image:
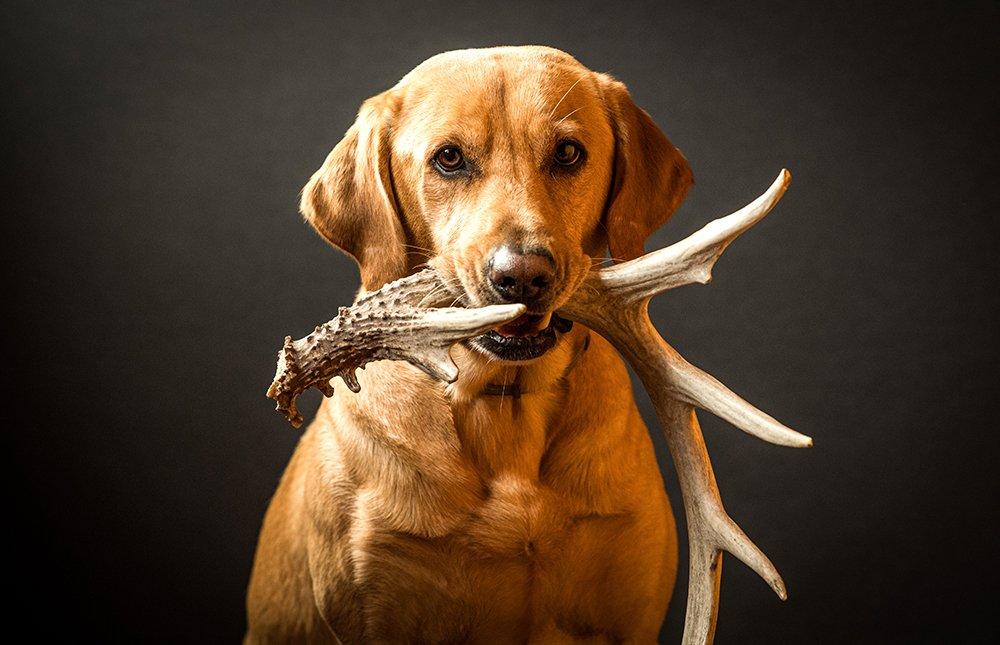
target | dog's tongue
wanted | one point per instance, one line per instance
(526, 325)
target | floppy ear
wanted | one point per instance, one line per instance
(650, 177)
(350, 200)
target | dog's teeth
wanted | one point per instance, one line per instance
(546, 319)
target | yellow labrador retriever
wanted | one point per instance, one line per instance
(523, 502)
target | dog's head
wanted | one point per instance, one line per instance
(511, 170)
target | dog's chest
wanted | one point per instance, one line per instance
(505, 440)
(521, 520)
(502, 557)
(511, 562)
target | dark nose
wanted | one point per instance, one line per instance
(520, 277)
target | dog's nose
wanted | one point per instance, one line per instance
(520, 277)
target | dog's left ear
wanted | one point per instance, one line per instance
(350, 199)
(651, 176)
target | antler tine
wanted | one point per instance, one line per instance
(615, 304)
(710, 529)
(703, 390)
(690, 260)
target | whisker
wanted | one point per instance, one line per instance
(445, 286)
(419, 248)
(572, 112)
(412, 249)
(603, 261)
(503, 392)
(564, 96)
(433, 292)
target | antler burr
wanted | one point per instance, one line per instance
(391, 324)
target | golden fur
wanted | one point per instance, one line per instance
(422, 512)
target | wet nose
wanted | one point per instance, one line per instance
(519, 276)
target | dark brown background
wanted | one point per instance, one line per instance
(156, 260)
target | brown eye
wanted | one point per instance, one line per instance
(568, 153)
(449, 159)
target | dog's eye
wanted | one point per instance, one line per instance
(568, 153)
(449, 159)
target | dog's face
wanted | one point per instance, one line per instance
(510, 170)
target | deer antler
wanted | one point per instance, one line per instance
(390, 324)
(614, 303)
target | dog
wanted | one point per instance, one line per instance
(523, 502)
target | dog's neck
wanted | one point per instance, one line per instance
(504, 413)
(510, 383)
(481, 376)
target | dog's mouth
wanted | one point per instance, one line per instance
(523, 339)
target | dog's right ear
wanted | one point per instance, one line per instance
(350, 200)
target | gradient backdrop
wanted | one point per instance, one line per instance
(156, 261)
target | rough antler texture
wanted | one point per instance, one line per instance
(390, 324)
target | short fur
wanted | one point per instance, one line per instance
(422, 512)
